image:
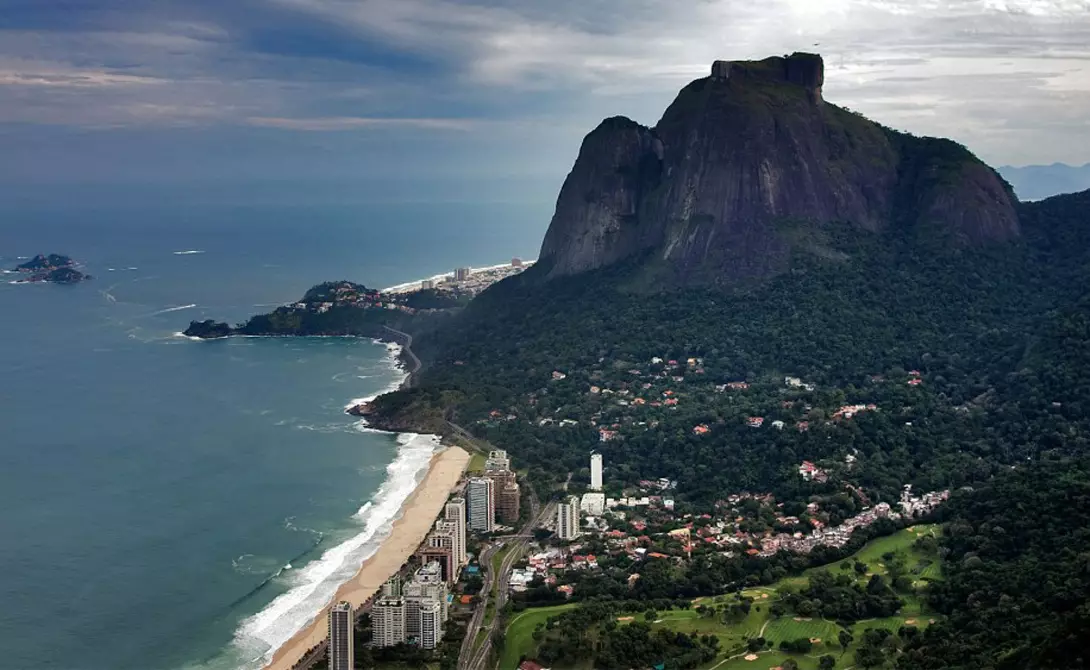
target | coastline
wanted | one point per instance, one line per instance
(414, 521)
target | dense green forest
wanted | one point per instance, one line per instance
(1016, 589)
(998, 337)
(999, 334)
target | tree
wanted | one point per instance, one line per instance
(826, 662)
(790, 664)
(844, 638)
(869, 657)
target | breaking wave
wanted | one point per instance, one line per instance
(314, 586)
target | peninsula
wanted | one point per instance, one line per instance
(54, 268)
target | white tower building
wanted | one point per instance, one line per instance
(595, 472)
(388, 621)
(456, 513)
(567, 519)
(481, 493)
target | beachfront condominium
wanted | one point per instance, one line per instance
(455, 513)
(506, 489)
(507, 494)
(439, 548)
(595, 472)
(481, 496)
(431, 624)
(507, 501)
(427, 585)
(341, 624)
(497, 460)
(567, 519)
(392, 586)
(388, 621)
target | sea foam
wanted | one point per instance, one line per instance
(393, 359)
(314, 586)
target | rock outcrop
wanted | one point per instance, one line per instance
(741, 154)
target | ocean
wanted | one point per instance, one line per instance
(169, 504)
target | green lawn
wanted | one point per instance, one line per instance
(733, 636)
(520, 631)
(476, 462)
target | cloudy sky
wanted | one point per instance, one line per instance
(117, 90)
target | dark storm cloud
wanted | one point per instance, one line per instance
(1009, 78)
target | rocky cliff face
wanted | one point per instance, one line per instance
(746, 152)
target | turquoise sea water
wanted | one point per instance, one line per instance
(153, 490)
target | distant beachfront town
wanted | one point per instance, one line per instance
(464, 279)
(435, 293)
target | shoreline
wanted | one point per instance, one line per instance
(416, 284)
(415, 519)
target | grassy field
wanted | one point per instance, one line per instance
(759, 623)
(518, 638)
(476, 462)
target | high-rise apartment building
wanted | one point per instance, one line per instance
(388, 621)
(427, 585)
(508, 500)
(392, 587)
(455, 513)
(416, 615)
(497, 460)
(595, 472)
(567, 519)
(431, 623)
(481, 499)
(440, 549)
(341, 625)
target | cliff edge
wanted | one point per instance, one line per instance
(747, 153)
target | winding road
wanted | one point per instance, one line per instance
(470, 659)
(408, 351)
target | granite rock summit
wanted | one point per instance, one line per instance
(744, 159)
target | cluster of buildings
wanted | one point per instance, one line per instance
(833, 536)
(593, 503)
(495, 496)
(414, 612)
(812, 473)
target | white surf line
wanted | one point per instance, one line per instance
(173, 309)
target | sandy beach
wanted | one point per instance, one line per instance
(418, 515)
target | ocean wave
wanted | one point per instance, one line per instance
(188, 252)
(393, 361)
(314, 586)
(172, 309)
(189, 337)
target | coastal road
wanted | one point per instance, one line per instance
(408, 350)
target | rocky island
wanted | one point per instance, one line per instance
(54, 268)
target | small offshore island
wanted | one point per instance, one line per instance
(54, 269)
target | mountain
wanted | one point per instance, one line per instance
(750, 163)
(1037, 182)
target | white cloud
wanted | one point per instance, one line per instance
(1007, 77)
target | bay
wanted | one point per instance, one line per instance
(153, 490)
